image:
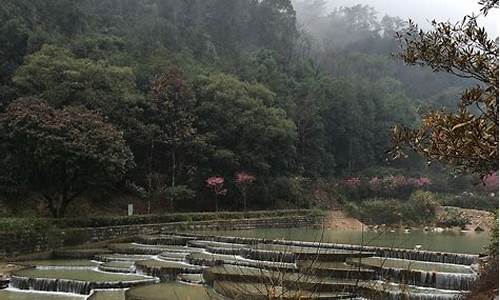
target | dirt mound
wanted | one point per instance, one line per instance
(339, 220)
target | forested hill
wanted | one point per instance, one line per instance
(288, 96)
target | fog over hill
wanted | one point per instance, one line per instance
(424, 11)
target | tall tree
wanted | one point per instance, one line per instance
(59, 154)
(175, 102)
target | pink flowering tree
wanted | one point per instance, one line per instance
(352, 182)
(490, 182)
(422, 182)
(216, 185)
(243, 180)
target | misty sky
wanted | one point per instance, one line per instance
(423, 11)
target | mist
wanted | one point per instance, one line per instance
(424, 11)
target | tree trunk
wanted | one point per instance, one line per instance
(52, 208)
(174, 169)
(150, 175)
(349, 165)
(244, 192)
(173, 166)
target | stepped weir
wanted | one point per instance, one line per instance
(233, 266)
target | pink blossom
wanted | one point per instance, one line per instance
(422, 181)
(491, 182)
(216, 185)
(352, 182)
(244, 178)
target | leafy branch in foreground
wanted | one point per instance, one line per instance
(468, 138)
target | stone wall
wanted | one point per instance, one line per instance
(23, 243)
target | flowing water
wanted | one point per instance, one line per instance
(204, 265)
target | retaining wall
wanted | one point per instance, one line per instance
(14, 244)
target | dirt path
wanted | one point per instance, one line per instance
(340, 221)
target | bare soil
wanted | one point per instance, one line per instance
(340, 221)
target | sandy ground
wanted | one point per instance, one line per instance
(340, 221)
(480, 219)
(7, 268)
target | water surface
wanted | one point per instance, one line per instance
(448, 241)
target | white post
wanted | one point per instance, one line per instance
(130, 209)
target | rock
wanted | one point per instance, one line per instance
(4, 283)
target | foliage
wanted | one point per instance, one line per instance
(493, 245)
(57, 76)
(391, 186)
(24, 224)
(244, 128)
(419, 209)
(453, 217)
(376, 211)
(174, 104)
(58, 154)
(464, 139)
(475, 200)
(290, 93)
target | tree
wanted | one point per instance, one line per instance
(468, 138)
(243, 180)
(244, 128)
(174, 103)
(55, 75)
(216, 185)
(59, 154)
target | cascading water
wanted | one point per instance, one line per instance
(433, 278)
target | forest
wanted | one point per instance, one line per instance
(185, 105)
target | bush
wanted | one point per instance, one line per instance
(24, 224)
(493, 245)
(421, 207)
(470, 200)
(453, 218)
(376, 211)
(293, 192)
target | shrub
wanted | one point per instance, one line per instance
(376, 211)
(470, 200)
(421, 207)
(24, 224)
(453, 218)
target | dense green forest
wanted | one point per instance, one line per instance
(150, 98)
